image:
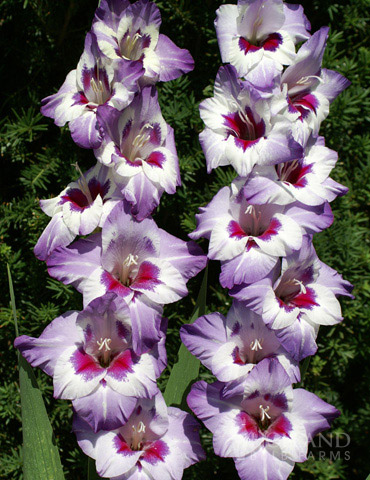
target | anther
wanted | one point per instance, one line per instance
(264, 413)
(130, 260)
(302, 288)
(104, 343)
(256, 344)
(306, 80)
(141, 428)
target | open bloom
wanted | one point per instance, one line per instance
(310, 88)
(156, 443)
(139, 147)
(92, 84)
(258, 37)
(138, 261)
(242, 128)
(230, 347)
(92, 361)
(249, 239)
(304, 179)
(297, 297)
(263, 424)
(78, 209)
(130, 32)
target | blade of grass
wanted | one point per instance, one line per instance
(91, 470)
(303, 368)
(186, 370)
(41, 459)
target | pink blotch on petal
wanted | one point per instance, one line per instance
(236, 357)
(85, 365)
(113, 285)
(121, 365)
(305, 300)
(245, 144)
(273, 229)
(80, 99)
(147, 277)
(247, 425)
(122, 447)
(305, 104)
(235, 230)
(271, 43)
(156, 159)
(279, 428)
(156, 452)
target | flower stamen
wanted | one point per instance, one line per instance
(82, 184)
(256, 344)
(264, 414)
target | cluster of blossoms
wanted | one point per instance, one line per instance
(264, 120)
(106, 358)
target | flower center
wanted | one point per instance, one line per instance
(98, 89)
(288, 172)
(104, 351)
(131, 47)
(126, 269)
(137, 438)
(256, 344)
(263, 418)
(264, 414)
(83, 188)
(288, 290)
(141, 139)
(254, 348)
(243, 125)
(252, 222)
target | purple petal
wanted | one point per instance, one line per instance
(174, 61)
(296, 22)
(333, 84)
(318, 416)
(299, 339)
(145, 318)
(264, 463)
(55, 235)
(144, 197)
(44, 351)
(187, 257)
(104, 409)
(75, 264)
(204, 337)
(85, 130)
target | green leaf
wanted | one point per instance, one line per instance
(40, 454)
(186, 370)
(303, 368)
(91, 470)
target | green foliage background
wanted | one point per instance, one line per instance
(41, 41)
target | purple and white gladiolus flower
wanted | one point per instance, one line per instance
(297, 298)
(78, 209)
(90, 356)
(258, 37)
(139, 147)
(94, 83)
(230, 347)
(156, 443)
(310, 88)
(130, 32)
(263, 424)
(305, 179)
(138, 261)
(250, 239)
(242, 129)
